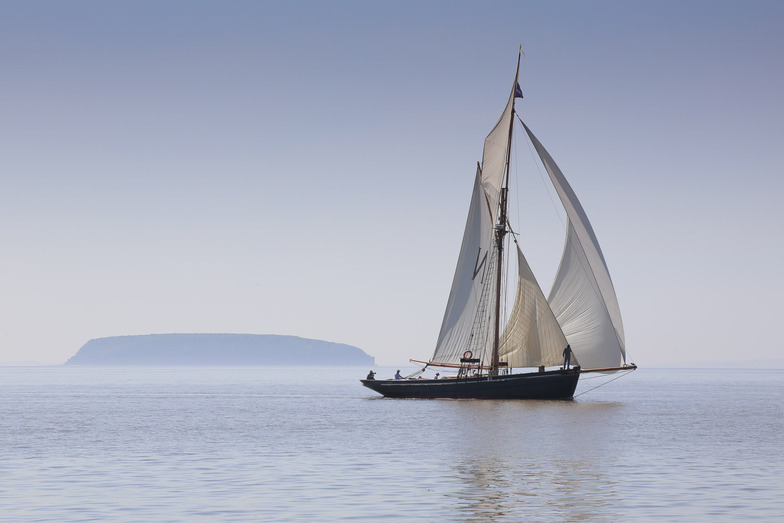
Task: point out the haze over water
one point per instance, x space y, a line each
286 444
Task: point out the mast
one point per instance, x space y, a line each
500 233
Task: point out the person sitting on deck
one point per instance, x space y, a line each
437 375
397 375
371 375
567 354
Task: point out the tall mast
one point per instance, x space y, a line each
500 233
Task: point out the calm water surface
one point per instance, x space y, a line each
285 444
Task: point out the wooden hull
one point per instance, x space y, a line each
551 385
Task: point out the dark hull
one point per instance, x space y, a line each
551 385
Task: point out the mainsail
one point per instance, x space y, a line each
467 324
468 308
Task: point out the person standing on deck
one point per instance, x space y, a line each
567 354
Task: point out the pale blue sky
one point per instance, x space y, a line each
305 168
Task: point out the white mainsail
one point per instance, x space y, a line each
468 309
583 297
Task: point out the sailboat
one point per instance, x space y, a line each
529 353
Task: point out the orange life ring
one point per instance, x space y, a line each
467 355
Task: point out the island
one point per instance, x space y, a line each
217 349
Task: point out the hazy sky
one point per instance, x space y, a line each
305 168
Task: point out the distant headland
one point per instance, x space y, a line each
217 349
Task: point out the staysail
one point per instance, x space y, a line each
532 336
583 297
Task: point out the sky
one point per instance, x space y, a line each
305 168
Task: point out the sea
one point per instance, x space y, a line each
129 443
